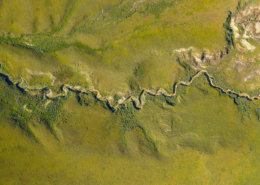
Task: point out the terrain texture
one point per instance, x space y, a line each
129 92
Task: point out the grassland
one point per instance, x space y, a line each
112 39
200 136
202 140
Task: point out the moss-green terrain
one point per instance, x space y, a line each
78 83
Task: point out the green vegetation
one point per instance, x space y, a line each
86 99
185 65
52 116
13 103
200 136
69 75
42 80
126 118
111 37
229 32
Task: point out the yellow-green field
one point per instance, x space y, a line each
203 140
120 47
110 39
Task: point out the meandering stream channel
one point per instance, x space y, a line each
138 102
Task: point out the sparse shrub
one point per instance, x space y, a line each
85 99
171 100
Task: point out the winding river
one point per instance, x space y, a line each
138 102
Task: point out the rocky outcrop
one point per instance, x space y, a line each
249 20
199 60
